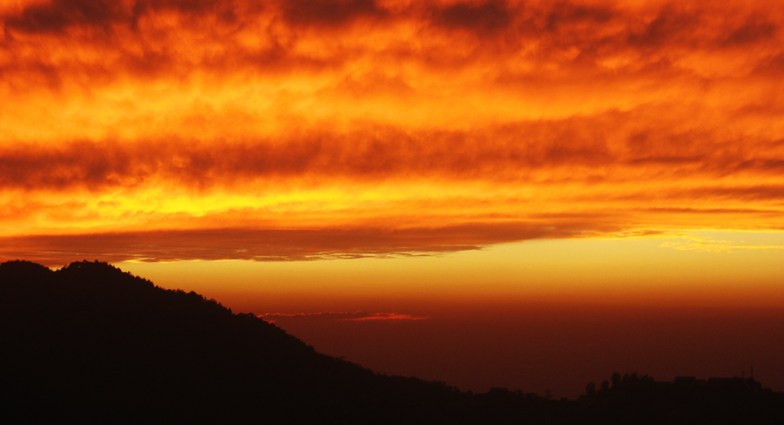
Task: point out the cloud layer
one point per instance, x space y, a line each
230 124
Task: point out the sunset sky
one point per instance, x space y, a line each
387 156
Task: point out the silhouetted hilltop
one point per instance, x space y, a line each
91 344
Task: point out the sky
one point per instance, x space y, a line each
401 161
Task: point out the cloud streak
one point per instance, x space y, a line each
508 152
567 36
272 244
356 316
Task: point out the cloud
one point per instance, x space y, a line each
377 317
329 12
753 31
274 244
742 193
498 118
356 316
727 242
385 154
626 142
130 37
671 23
58 15
482 17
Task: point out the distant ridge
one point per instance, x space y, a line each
91 344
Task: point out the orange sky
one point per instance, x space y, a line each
328 130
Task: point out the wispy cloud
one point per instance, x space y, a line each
356 316
727 242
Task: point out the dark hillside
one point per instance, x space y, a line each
90 344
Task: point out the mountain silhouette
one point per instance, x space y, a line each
91 344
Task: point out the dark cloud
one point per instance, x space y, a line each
509 152
61 167
743 193
652 146
191 6
767 163
752 31
379 154
672 24
504 29
565 14
488 16
278 244
674 160
772 66
59 15
56 16
329 12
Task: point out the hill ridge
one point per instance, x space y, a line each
90 343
